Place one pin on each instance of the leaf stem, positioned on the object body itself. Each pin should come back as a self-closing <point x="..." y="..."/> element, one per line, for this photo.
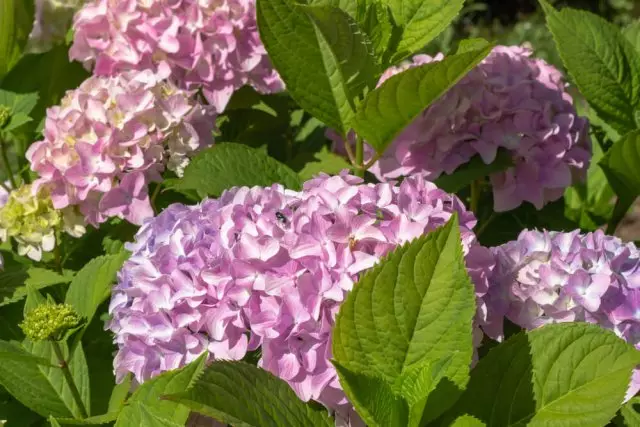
<point x="359" y="169"/>
<point x="347" y="148"/>
<point x="5" y="163"/>
<point x="69" y="378"/>
<point x="156" y="191"/>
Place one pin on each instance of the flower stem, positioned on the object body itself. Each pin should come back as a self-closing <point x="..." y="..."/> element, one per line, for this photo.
<point x="359" y="157"/>
<point x="475" y="196"/>
<point x="156" y="191"/>
<point x="67" y="376"/>
<point x="5" y="163"/>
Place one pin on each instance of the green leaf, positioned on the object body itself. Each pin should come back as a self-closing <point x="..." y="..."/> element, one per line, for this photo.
<point x="630" y="412"/>
<point x="632" y="33"/>
<point x="321" y="55"/>
<point x="43" y="388"/>
<point x="620" y="165"/>
<point x="14" y="278"/>
<point x="241" y="394"/>
<point x="13" y="351"/>
<point x="119" y="394"/>
<point x="412" y="309"/>
<point x="145" y="409"/>
<point x="554" y="376"/>
<point x="229" y="165"/>
<point x="18" y="102"/>
<point x="92" y="285"/>
<point x="399" y="100"/>
<point x="16" y="121"/>
<point x="324" y="161"/>
<point x="420" y="22"/>
<point x="16" y="20"/>
<point x="376" y="21"/>
<point x="53" y="422"/>
<point x="107" y="418"/>
<point x="591" y="203"/>
<point x="601" y="61"/>
<point x="474" y="169"/>
<point x="373" y="398"/>
<point x="467" y="421"/>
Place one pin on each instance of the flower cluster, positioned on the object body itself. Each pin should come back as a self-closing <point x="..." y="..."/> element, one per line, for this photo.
<point x="28" y="216"/>
<point x="113" y="135"/>
<point x="49" y="322"/>
<point x="52" y="21"/>
<point x="269" y="268"/>
<point x="512" y="102"/>
<point x="548" y="277"/>
<point x="213" y="45"/>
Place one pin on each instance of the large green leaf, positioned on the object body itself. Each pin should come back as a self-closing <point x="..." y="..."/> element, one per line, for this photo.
<point x="242" y="394"/>
<point x="601" y="61"/>
<point x="630" y="412"/>
<point x="16" y="20"/>
<point x="632" y="33"/>
<point x="323" y="161"/>
<point x="467" y="421"/>
<point x="233" y="165"/>
<point x="43" y="388"/>
<point x="571" y="374"/>
<point x="145" y="409"/>
<point x="92" y="285"/>
<point x="420" y="21"/>
<point x="399" y="100"/>
<point x="321" y="55"/>
<point x="414" y="309"/>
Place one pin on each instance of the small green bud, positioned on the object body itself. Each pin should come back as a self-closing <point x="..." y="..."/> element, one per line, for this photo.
<point x="49" y="322"/>
<point x="5" y="115"/>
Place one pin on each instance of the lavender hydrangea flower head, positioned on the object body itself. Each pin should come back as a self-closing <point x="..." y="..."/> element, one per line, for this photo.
<point x="512" y="102"/>
<point x="550" y="277"/>
<point x="113" y="135"/>
<point x="201" y="43"/>
<point x="269" y="268"/>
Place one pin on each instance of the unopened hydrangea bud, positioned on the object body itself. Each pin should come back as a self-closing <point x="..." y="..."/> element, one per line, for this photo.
<point x="5" y="115"/>
<point x="49" y="322"/>
<point x="31" y="220"/>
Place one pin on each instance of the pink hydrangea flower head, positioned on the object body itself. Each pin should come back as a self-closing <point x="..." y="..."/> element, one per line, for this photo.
<point x="510" y="101"/>
<point x="552" y="277"/>
<point x="269" y="268"/>
<point x="213" y="45"/>
<point x="113" y="135"/>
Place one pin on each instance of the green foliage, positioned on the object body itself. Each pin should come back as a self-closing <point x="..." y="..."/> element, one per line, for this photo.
<point x="16" y="276"/>
<point x="145" y="408"/>
<point x="321" y="56"/>
<point x="399" y="100"/>
<point x="467" y="421"/>
<point x="558" y="375"/>
<point x="601" y="61"/>
<point x="630" y="413"/>
<point x="427" y="278"/>
<point x="419" y="22"/>
<point x="632" y="33"/>
<point x="241" y="394"/>
<point x="233" y="165"/>
<point x="16" y="19"/>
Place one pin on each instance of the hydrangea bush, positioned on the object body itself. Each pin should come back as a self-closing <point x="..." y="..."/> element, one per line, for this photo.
<point x="274" y="213"/>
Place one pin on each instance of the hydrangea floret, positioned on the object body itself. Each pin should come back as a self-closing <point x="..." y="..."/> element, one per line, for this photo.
<point x="29" y="217"/>
<point x="49" y="322"/>
<point x="269" y="268"/>
<point x="511" y="102"/>
<point x="549" y="277"/>
<point x="111" y="137"/>
<point x="213" y="45"/>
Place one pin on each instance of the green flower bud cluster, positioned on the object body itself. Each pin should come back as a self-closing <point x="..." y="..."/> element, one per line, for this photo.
<point x="49" y="322"/>
<point x="32" y="221"/>
<point x="5" y="115"/>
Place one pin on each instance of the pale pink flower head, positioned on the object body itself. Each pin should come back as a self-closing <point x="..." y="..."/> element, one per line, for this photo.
<point x="510" y="101"/>
<point x="269" y="268"/>
<point x="213" y="45"/>
<point x="112" y="136"/>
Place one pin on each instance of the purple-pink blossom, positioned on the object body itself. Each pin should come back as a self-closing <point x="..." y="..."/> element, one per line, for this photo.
<point x="112" y="136"/>
<point x="199" y="43"/>
<point x="510" y="101"/>
<point x="550" y="277"/>
<point x="268" y="268"/>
